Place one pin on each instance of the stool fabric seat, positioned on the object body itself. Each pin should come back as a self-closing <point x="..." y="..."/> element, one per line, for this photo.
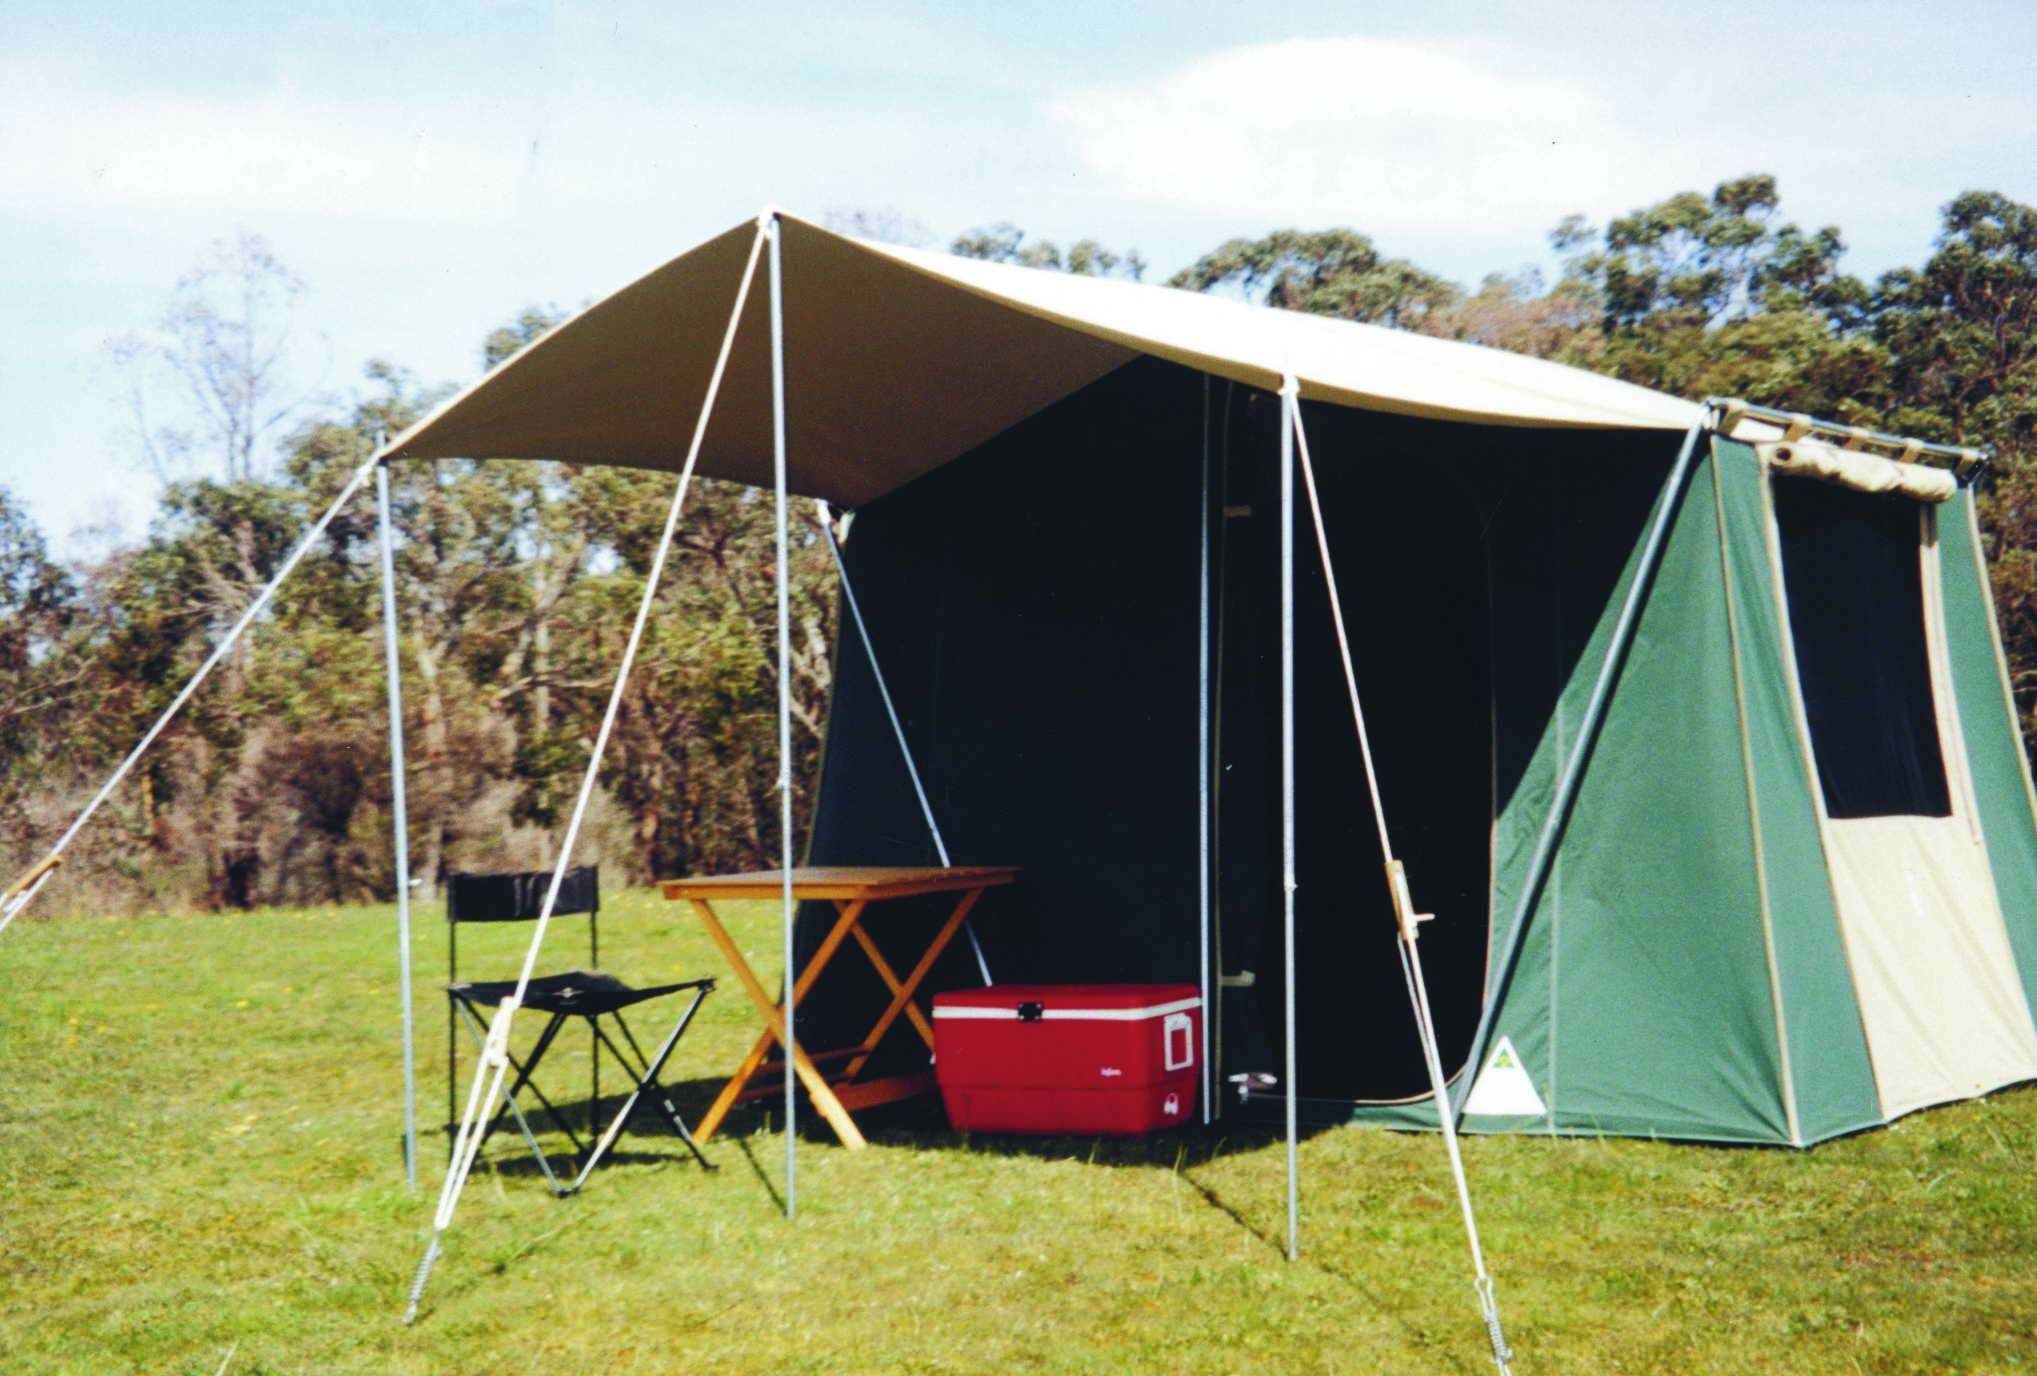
<point x="590" y="995"/>
<point x="582" y="993"/>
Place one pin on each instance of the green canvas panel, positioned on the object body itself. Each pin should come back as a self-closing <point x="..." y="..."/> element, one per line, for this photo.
<point x="1564" y="552"/>
<point x="1994" y="744"/>
<point x="1664" y="1015"/>
<point x="1829" y="1066"/>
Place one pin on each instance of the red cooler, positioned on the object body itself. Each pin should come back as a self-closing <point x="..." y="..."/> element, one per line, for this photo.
<point x="1075" y="1058"/>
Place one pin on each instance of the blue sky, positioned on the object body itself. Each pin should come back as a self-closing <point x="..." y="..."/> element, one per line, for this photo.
<point x="429" y="168"/>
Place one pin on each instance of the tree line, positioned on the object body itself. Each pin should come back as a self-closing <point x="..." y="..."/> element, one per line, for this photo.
<point x="518" y="580"/>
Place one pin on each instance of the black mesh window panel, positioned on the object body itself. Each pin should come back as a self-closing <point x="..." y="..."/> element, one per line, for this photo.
<point x="1850" y="563"/>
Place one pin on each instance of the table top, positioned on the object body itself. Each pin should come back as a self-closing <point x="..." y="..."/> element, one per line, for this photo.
<point x="844" y="881"/>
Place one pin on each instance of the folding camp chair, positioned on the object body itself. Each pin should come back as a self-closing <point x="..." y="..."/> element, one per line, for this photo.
<point x="585" y="994"/>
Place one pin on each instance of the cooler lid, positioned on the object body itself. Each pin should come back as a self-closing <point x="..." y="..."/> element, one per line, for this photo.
<point x="1082" y="1002"/>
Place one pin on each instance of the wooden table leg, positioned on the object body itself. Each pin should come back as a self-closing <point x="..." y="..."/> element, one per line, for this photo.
<point x="844" y="924"/>
<point x="902" y="990"/>
<point x="897" y="987"/>
<point x="816" y="1086"/>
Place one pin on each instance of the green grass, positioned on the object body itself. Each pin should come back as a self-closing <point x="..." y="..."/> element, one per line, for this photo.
<point x="199" y="1155"/>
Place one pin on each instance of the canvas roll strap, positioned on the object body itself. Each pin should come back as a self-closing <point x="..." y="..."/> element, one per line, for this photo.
<point x="487" y="1070"/>
<point x="1808" y="458"/>
<point x="1751" y="424"/>
<point x="1406" y="919"/>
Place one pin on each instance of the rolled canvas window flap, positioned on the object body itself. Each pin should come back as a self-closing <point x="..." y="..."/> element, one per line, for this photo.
<point x="1860" y="471"/>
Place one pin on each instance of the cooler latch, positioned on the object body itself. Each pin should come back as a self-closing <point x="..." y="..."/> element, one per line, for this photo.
<point x="1179" y="1031"/>
<point x="1032" y="1010"/>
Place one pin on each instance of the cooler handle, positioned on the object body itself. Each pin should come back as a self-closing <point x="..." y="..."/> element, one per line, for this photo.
<point x="1184" y="1025"/>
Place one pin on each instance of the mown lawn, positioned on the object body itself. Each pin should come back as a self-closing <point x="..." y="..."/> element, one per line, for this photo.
<point x="200" y="1171"/>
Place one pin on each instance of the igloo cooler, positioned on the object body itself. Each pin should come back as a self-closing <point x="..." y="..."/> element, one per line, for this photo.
<point x="1074" y="1058"/>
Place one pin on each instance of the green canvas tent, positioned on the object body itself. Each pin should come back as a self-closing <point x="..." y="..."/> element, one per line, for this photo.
<point x="1701" y="754"/>
<point x="1691" y="721"/>
<point x="1792" y="894"/>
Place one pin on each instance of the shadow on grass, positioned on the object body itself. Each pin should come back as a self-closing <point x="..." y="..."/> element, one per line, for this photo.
<point x="915" y="1125"/>
<point x="921" y="1125"/>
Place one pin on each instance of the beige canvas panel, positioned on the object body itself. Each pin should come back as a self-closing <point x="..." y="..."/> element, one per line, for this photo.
<point x="897" y="361"/>
<point x="1944" y="1014"/>
<point x="1942" y="1007"/>
<point x="1367" y="366"/>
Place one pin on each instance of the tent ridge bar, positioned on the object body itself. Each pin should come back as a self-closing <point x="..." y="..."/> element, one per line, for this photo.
<point x="1968" y="463"/>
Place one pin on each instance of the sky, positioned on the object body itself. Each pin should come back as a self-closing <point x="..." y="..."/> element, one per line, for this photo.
<point x="430" y="167"/>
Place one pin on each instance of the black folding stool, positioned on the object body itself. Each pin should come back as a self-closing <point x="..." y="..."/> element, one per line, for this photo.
<point x="586" y="994"/>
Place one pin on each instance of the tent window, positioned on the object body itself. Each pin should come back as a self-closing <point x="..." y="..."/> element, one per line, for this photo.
<point x="1852" y="567"/>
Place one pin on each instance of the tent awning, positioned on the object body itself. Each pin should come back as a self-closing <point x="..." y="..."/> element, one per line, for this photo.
<point x="899" y="360"/>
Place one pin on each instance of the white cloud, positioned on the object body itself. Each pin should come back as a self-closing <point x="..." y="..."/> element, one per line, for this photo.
<point x="1390" y="136"/>
<point x="73" y="148"/>
<point x="1483" y="146"/>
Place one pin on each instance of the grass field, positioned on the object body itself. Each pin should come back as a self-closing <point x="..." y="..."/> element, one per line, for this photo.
<point x="200" y="1171"/>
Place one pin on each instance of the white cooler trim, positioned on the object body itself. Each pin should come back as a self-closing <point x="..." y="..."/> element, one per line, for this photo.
<point x="1068" y="1014"/>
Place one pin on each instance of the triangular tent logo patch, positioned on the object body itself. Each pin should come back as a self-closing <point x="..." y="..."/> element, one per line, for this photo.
<point x="1503" y="1089"/>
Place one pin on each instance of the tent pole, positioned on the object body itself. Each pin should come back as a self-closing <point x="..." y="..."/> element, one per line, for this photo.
<point x="398" y="805"/>
<point x="1573" y="769"/>
<point x="1290" y="415"/>
<point x="493" y="1062"/>
<point x="773" y="231"/>
<point x="20" y="899"/>
<point x="1202" y="762"/>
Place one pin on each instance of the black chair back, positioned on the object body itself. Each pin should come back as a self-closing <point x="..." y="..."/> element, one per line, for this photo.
<point x="519" y="896"/>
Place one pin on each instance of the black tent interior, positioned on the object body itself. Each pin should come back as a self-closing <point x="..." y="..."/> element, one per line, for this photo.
<point x="1035" y="607"/>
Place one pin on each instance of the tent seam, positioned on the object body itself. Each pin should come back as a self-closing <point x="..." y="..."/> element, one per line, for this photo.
<point x="1772" y="539"/>
<point x="1994" y="630"/>
<point x="1789" y="1096"/>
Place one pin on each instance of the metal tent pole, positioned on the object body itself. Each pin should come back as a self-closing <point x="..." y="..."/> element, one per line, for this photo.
<point x="399" y="806"/>
<point x="1202" y="763"/>
<point x="773" y="232"/>
<point x="493" y="1063"/>
<point x="1573" y="769"/>
<point x="1290" y="406"/>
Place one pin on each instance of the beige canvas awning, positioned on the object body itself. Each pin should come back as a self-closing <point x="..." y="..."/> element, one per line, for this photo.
<point x="898" y="360"/>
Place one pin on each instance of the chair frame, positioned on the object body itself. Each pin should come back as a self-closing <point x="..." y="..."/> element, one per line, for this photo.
<point x="461" y="1008"/>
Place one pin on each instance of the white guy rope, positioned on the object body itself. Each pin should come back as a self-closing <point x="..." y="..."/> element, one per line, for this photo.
<point x="254" y="609"/>
<point x="1410" y="951"/>
<point x="494" y="1059"/>
<point x="926" y="808"/>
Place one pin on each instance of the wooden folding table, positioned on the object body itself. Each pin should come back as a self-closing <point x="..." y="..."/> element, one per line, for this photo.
<point x="852" y="889"/>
